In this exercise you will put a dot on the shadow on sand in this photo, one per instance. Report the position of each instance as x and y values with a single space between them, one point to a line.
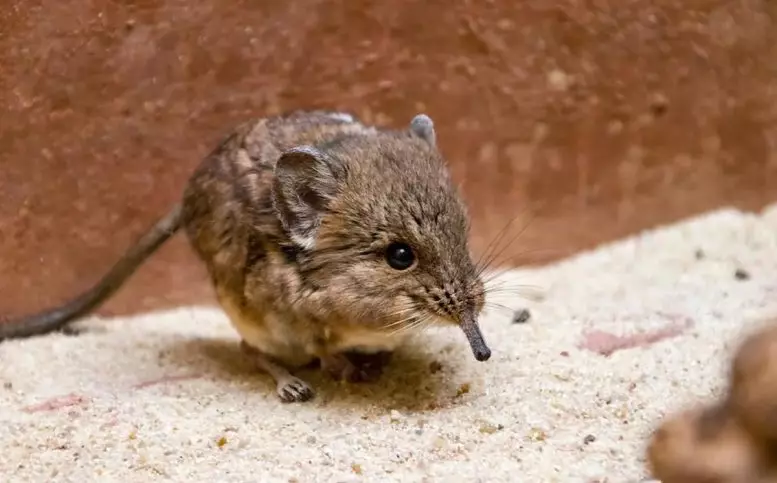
412 381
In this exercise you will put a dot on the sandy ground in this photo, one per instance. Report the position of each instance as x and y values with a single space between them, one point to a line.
622 335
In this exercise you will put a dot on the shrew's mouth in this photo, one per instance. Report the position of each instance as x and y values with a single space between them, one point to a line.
468 322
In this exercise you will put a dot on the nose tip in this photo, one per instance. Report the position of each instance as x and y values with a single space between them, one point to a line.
480 349
483 354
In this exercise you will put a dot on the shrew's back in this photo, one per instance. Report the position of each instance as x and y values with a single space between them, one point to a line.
227 205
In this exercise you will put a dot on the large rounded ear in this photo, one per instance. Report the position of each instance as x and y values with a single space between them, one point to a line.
305 180
423 127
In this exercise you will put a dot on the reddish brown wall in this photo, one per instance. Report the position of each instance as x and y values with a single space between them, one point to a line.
601 120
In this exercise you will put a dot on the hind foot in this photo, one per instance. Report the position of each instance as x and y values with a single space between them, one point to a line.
372 364
355 366
340 368
288 387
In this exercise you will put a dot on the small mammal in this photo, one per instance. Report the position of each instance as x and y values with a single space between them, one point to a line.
323 237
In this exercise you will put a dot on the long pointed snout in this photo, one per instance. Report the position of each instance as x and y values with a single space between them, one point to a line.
471 329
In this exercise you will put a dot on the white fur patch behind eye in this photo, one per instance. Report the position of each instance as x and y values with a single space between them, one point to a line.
305 242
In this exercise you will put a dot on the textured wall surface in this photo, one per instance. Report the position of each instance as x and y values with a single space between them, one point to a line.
595 120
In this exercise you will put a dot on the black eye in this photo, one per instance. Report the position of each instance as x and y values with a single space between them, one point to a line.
400 256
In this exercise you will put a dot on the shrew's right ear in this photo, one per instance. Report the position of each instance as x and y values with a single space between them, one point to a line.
306 179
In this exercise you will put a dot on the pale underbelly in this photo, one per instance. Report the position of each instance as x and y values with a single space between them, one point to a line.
276 337
366 341
277 342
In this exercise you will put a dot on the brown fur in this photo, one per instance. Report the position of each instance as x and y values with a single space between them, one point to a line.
295 305
292 216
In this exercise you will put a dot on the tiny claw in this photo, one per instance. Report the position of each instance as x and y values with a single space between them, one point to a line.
295 390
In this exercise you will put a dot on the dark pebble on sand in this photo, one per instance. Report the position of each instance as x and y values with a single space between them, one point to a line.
741 274
589 439
521 316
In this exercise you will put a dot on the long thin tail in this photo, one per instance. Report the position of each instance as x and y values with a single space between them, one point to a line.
58 317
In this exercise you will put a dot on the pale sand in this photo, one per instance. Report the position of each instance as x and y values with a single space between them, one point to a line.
526 418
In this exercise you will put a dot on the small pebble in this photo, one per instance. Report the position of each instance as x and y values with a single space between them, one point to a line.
435 367
521 316
463 389
221 442
489 428
356 468
8 385
564 354
741 274
589 439
536 434
439 442
699 254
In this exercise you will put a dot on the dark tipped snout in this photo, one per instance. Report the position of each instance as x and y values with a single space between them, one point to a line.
482 353
479 348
